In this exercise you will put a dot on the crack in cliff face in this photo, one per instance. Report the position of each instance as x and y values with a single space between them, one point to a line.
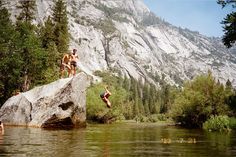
106 45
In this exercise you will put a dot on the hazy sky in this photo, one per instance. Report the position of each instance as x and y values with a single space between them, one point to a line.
203 16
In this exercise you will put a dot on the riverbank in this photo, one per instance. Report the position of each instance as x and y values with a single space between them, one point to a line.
157 123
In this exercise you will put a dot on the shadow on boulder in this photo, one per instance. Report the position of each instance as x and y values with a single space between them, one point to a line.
65 106
56 123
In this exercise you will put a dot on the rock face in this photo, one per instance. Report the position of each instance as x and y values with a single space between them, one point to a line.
125 35
61 104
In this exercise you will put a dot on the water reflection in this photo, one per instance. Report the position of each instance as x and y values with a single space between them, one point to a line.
116 140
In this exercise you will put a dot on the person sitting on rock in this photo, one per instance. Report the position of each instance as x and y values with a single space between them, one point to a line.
74 56
65 64
104 96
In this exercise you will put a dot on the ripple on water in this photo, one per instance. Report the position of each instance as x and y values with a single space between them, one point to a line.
117 140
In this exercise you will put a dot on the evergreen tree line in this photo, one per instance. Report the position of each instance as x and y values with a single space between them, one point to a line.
191 106
131 98
30 54
146 99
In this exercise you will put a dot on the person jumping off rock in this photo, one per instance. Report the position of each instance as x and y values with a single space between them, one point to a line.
105 95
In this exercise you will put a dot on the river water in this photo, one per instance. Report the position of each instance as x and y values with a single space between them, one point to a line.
117 140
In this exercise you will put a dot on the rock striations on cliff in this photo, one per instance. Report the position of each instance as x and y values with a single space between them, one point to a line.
125 35
61 104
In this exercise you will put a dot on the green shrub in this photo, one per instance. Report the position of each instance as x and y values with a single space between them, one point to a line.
232 123
95 107
157 117
141 118
217 123
200 99
150 118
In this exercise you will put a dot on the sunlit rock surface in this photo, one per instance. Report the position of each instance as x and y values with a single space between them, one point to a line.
61 104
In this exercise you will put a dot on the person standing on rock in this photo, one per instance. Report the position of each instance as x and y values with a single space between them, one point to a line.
105 95
73 63
65 64
1 127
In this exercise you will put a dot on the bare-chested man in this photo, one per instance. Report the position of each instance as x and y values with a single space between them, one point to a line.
74 58
65 64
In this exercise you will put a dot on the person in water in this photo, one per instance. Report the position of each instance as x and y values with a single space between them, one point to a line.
104 96
74 58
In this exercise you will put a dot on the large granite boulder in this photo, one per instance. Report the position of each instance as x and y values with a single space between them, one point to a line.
61 104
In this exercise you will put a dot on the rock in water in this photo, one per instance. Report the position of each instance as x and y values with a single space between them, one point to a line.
61 104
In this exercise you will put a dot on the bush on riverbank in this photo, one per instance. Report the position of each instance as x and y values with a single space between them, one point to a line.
220 123
151 118
217 123
200 99
232 123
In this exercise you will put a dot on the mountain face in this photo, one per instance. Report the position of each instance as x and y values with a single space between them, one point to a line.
124 35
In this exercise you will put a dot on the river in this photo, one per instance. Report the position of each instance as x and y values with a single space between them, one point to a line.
116 140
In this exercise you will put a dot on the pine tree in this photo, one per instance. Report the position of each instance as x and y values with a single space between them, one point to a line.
47 33
52 55
156 100
9 59
120 79
231 97
228 84
146 93
27 8
229 22
126 84
152 103
140 96
165 98
134 96
29 45
60 20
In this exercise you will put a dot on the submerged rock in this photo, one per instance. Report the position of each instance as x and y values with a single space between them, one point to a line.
61 104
